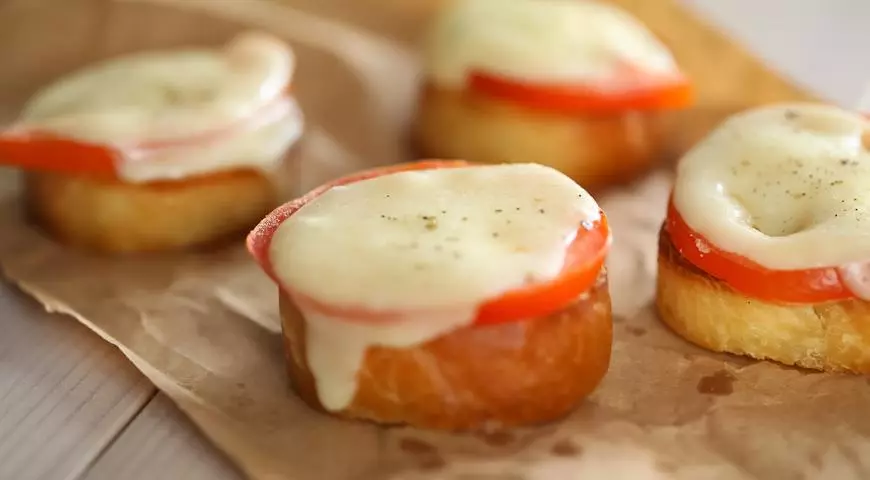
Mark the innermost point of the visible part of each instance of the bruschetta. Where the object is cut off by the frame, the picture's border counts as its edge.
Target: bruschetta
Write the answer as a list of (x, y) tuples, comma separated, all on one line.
[(442, 294), (765, 248), (578, 85), (159, 150)]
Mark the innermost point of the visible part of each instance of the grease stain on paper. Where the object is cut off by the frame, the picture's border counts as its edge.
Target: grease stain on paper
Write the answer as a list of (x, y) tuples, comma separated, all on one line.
[(636, 331), (497, 438), (415, 446), (427, 458), (566, 448), (432, 463), (718, 383)]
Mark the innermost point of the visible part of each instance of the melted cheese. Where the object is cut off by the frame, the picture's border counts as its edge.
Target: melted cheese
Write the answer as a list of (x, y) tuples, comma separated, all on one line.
[(784, 186), (336, 348), (546, 41), (856, 277), (260, 145), (427, 246), (169, 96)]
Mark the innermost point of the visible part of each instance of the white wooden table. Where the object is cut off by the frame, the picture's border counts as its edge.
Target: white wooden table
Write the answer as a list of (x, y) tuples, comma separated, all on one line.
[(72, 407)]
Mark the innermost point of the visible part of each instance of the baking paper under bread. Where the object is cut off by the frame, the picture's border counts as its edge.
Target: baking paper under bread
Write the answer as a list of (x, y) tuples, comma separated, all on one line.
[(204, 327)]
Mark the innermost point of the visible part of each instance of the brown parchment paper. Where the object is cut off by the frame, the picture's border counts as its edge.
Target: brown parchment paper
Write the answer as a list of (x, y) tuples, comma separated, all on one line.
[(204, 327)]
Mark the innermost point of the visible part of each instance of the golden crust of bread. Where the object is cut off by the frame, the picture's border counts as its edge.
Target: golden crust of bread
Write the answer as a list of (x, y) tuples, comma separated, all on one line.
[(112, 216), (596, 151), (833, 336), (510, 374)]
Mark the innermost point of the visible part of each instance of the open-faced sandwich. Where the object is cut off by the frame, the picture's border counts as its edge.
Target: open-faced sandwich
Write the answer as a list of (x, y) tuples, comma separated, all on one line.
[(442, 295), (159, 150), (766, 245), (579, 84)]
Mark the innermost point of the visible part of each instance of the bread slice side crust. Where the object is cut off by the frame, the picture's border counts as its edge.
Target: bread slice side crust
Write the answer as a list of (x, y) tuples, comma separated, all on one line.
[(511, 374), (832, 336), (111, 216), (596, 151)]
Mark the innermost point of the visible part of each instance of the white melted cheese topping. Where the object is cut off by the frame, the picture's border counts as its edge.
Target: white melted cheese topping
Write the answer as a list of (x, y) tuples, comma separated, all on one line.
[(543, 41), (430, 246), (230, 102), (785, 186)]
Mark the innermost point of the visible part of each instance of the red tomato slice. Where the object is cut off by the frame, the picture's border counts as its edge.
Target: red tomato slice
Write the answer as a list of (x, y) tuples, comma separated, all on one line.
[(580, 99), (583, 262), (46, 152), (49, 153), (810, 286), (33, 150)]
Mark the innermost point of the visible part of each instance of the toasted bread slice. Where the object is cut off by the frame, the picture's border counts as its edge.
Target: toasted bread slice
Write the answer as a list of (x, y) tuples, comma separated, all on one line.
[(510, 374), (833, 336), (112, 216), (596, 151)]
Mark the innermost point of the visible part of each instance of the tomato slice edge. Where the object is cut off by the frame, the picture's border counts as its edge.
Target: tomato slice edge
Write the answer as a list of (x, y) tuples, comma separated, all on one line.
[(808, 286), (46, 151), (674, 93)]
